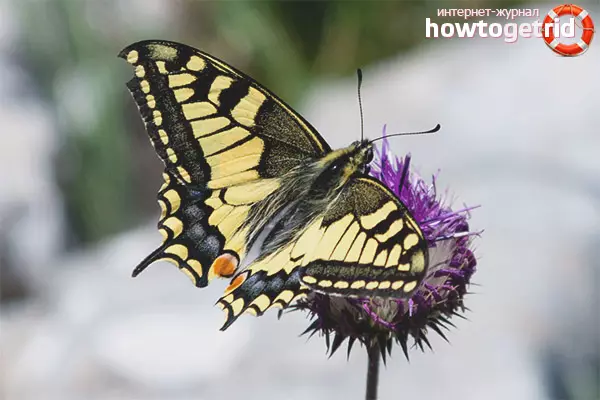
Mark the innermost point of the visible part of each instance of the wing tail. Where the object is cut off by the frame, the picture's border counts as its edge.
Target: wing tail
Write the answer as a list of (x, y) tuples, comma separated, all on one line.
[(189, 241)]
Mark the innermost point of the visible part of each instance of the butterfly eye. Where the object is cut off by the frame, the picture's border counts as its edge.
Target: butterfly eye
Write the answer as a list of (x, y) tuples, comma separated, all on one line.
[(337, 165)]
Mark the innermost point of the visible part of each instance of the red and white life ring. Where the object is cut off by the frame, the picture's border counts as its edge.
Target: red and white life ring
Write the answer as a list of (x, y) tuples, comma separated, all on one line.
[(573, 49)]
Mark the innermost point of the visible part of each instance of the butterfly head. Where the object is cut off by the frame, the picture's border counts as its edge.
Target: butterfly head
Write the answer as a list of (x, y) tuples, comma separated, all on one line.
[(362, 155), (337, 167)]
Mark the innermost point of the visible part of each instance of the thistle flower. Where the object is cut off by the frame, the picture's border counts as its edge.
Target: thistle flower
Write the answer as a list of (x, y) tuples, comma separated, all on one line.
[(377, 322)]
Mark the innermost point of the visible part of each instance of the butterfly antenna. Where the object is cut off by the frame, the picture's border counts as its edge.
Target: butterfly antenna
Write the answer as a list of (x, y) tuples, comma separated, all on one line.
[(362, 122), (433, 130)]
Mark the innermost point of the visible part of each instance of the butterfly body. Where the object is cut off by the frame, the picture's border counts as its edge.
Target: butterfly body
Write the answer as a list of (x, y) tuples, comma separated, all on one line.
[(253, 193), (305, 192)]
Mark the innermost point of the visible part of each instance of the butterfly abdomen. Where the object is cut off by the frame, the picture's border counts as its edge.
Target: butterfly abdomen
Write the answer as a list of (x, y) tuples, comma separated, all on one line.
[(302, 204)]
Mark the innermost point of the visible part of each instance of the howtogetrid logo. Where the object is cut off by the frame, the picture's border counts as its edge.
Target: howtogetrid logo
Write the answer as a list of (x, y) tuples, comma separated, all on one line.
[(567, 29), (552, 21)]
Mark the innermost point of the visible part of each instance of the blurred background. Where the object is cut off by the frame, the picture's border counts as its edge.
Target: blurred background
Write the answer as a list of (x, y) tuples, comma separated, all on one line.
[(79, 178)]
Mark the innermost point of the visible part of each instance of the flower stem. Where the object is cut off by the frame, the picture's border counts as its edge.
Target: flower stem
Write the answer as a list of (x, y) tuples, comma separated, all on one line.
[(373, 371)]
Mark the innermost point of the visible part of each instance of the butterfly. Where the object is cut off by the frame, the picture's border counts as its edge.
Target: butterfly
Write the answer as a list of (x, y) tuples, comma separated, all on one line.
[(253, 193)]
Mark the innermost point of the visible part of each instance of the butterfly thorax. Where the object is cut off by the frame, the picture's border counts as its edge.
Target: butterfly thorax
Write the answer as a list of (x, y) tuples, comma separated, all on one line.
[(305, 192)]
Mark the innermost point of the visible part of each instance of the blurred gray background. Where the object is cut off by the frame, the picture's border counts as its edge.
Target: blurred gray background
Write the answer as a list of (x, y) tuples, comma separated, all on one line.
[(520, 137)]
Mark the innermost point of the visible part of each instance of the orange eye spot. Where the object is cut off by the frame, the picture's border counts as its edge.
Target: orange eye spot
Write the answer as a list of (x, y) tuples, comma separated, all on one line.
[(224, 265), (235, 283)]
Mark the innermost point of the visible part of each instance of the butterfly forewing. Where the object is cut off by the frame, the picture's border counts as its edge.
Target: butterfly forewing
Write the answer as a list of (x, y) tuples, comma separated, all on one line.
[(224, 139)]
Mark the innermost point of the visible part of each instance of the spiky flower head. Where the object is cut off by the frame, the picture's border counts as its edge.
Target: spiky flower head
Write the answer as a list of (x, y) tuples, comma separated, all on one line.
[(381, 322)]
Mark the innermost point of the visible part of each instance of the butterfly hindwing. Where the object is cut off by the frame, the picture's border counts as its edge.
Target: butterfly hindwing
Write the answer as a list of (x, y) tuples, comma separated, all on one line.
[(369, 245), (365, 244), (255, 291), (189, 241), (272, 281), (224, 140)]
